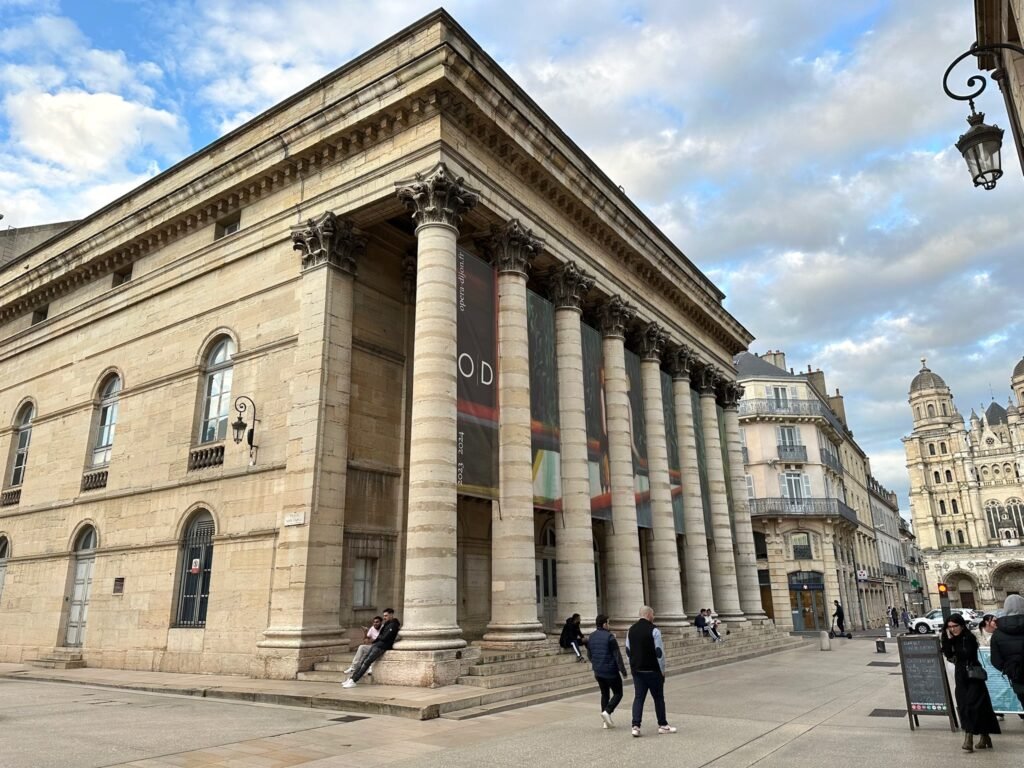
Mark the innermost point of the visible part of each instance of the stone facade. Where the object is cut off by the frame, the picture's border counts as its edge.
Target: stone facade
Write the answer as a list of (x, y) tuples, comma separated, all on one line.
[(1001, 21), (308, 261), (811, 496), (967, 492)]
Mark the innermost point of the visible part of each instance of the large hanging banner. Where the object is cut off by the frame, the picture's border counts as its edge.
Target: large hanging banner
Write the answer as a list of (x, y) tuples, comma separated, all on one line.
[(597, 425), (477, 302), (544, 432), (702, 460), (675, 474), (638, 442)]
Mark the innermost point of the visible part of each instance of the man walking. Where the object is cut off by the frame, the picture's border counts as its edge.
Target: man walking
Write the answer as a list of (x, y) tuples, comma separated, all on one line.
[(603, 650), (386, 639), (647, 664), (840, 617)]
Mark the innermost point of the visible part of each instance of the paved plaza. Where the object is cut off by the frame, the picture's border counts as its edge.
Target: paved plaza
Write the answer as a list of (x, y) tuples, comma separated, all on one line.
[(793, 709)]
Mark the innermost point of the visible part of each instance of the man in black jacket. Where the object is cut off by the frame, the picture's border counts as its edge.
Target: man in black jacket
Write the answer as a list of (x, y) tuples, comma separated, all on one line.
[(1008, 644), (603, 651), (840, 617), (647, 664), (572, 636), (386, 639)]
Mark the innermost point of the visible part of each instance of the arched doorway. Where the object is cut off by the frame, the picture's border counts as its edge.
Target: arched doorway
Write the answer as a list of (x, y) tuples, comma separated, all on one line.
[(1008, 579), (547, 578), (962, 590), (807, 601), (78, 606)]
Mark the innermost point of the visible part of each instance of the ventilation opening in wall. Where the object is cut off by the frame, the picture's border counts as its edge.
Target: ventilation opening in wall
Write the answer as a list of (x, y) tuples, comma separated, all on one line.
[(122, 276), (228, 225), (40, 314)]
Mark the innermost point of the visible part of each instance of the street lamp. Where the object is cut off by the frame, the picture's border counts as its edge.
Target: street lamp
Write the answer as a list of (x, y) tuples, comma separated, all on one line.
[(241, 429), (982, 143)]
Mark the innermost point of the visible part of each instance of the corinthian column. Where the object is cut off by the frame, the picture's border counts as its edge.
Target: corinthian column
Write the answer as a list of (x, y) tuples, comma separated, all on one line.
[(698, 568), (513, 553), (746, 558), (574, 543), (305, 594), (437, 201), (625, 580), (723, 562), (667, 597)]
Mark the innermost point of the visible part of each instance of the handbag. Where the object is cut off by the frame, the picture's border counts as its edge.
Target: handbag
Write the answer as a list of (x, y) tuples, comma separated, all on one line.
[(977, 673)]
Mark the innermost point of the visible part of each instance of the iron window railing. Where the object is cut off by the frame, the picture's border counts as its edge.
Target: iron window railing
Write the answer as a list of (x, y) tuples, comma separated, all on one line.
[(830, 460), (792, 452), (807, 507), (771, 407)]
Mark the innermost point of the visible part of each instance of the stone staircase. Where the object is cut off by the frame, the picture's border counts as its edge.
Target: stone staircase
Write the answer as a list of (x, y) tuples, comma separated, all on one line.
[(59, 658), (508, 679)]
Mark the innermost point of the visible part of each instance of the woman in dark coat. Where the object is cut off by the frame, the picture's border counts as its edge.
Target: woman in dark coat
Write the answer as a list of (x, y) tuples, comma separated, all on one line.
[(977, 717)]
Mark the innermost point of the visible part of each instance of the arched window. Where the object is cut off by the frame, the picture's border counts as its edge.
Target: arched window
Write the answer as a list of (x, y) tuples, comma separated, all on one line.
[(196, 565), (942, 448), (949, 538), (959, 537), (5, 549), (917, 410), (942, 507), (944, 412), (994, 513), (931, 410), (86, 539), (931, 449), (938, 477), (956, 507), (109, 393), (217, 391), (949, 476), (22, 439)]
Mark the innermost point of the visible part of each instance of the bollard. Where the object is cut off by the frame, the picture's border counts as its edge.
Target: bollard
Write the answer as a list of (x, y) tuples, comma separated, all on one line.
[(824, 643), (888, 630), (880, 646)]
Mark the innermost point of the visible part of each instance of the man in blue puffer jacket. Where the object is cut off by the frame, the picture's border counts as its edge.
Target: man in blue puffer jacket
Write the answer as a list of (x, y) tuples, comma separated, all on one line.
[(603, 650)]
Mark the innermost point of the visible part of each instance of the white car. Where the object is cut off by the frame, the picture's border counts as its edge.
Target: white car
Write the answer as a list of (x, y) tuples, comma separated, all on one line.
[(932, 621)]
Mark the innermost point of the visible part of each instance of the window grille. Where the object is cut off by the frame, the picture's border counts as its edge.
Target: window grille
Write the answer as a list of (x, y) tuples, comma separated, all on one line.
[(196, 567)]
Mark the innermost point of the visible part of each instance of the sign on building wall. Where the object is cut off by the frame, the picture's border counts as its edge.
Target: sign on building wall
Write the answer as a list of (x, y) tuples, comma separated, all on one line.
[(638, 441), (597, 425), (675, 474), (477, 387), (544, 422)]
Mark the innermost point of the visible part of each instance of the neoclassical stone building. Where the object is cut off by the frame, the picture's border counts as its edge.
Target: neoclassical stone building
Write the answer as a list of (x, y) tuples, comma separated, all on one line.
[(967, 493), (477, 382)]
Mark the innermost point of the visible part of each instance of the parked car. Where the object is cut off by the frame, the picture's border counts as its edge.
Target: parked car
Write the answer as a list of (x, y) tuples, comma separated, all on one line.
[(932, 621)]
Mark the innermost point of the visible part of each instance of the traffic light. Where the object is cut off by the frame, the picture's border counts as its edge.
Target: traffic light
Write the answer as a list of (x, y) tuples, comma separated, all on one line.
[(943, 589)]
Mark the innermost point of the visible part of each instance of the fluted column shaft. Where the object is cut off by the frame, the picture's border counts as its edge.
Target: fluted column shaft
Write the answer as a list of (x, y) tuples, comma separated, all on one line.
[(513, 552), (625, 580), (723, 563), (667, 595), (746, 558), (698, 569), (431, 562), (574, 542)]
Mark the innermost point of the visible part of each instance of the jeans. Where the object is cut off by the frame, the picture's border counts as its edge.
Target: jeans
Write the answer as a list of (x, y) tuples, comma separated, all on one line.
[(361, 652), (375, 652), (642, 683), (610, 685)]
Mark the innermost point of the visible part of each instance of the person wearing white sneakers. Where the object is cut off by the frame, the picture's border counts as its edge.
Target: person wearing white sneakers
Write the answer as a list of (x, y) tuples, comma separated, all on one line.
[(646, 654), (386, 639), (369, 635), (606, 661)]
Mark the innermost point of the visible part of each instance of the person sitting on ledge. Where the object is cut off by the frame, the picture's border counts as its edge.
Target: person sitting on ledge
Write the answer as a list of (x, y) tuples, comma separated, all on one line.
[(386, 639), (572, 637)]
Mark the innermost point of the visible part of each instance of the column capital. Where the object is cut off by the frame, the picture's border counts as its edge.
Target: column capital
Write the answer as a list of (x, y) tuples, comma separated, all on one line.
[(651, 341), (707, 379), (511, 247), (329, 239), (614, 315), (569, 285), (683, 362), (436, 197), (731, 393)]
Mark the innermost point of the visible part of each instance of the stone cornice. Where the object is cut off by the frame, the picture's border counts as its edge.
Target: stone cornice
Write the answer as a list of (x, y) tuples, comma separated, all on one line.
[(511, 247)]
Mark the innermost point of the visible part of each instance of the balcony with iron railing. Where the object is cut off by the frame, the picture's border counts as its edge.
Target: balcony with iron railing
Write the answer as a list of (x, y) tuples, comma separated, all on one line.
[(812, 507), (792, 453), (770, 407), (831, 461)]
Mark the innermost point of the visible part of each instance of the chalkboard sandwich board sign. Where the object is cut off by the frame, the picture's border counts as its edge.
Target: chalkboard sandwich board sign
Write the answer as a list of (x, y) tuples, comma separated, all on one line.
[(924, 679)]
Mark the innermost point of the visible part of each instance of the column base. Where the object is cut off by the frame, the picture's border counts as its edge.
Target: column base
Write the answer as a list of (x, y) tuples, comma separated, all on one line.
[(732, 618), (513, 635), (286, 651), (423, 669), (431, 639)]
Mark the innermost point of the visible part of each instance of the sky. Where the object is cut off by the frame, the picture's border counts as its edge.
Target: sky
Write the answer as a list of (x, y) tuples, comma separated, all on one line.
[(800, 153)]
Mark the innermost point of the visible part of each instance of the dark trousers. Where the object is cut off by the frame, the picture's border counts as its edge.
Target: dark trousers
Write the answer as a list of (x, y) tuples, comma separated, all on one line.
[(642, 683), (610, 685), (376, 651)]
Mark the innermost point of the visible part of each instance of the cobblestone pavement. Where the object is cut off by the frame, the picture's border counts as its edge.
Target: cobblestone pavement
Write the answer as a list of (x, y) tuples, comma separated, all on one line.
[(790, 710)]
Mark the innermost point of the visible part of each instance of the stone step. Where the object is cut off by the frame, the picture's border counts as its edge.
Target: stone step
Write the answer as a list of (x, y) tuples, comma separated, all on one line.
[(332, 666), (56, 663)]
